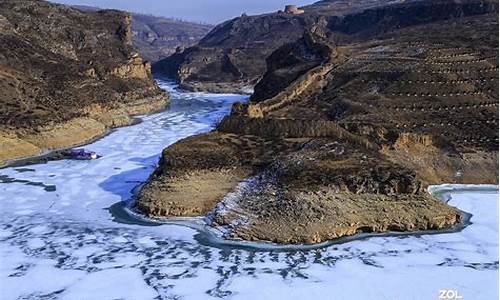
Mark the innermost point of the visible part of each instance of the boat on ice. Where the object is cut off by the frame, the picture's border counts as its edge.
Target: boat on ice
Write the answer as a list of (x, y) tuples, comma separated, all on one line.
[(80, 154)]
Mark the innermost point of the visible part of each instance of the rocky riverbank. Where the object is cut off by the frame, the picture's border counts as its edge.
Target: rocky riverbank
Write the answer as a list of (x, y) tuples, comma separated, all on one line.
[(70, 80), (24, 143), (346, 129)]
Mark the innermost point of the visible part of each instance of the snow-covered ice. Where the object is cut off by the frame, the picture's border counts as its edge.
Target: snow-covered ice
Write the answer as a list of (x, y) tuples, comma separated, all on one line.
[(66, 243)]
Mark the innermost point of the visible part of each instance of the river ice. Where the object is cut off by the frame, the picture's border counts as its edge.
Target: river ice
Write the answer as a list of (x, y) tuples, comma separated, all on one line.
[(59, 239)]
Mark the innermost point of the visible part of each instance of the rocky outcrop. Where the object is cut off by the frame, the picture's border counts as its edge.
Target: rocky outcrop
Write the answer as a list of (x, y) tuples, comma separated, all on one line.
[(156, 37), (293, 9), (67, 76), (134, 68), (348, 126), (233, 54)]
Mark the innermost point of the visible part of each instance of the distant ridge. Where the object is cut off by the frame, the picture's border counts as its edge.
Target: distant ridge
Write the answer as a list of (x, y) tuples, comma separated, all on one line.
[(158, 37)]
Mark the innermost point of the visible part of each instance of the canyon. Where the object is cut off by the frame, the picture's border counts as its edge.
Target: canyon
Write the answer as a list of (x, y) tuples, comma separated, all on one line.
[(358, 157)]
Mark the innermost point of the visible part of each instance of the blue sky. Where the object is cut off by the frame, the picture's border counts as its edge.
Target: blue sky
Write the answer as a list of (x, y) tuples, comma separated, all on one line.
[(208, 11)]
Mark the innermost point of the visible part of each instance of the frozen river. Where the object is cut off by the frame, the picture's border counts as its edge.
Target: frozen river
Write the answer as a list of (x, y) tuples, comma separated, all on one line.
[(60, 236)]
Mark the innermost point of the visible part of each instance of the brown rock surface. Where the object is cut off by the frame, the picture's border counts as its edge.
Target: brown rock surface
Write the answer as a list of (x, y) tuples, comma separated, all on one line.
[(348, 126), (315, 218), (67, 76)]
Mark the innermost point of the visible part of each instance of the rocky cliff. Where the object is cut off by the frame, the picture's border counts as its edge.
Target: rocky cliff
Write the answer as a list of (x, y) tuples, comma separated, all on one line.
[(157, 38), (347, 127), (67, 76), (232, 56)]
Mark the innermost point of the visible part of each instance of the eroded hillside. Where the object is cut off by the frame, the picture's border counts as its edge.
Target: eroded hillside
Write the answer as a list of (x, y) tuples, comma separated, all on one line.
[(158, 37), (66, 76), (346, 129), (232, 57)]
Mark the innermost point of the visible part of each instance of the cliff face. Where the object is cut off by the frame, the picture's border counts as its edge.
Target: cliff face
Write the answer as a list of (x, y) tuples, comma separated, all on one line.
[(157, 38), (61, 68), (232, 56), (347, 127)]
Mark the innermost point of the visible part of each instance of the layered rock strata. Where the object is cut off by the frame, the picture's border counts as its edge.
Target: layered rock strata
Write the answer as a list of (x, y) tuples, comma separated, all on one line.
[(157, 37), (67, 76)]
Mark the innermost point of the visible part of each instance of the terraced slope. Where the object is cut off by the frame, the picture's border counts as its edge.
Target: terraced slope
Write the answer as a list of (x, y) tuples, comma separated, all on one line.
[(345, 131), (233, 55)]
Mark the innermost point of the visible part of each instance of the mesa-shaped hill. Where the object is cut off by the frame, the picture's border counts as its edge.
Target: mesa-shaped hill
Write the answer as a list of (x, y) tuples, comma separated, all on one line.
[(66, 76), (232, 56), (347, 127)]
